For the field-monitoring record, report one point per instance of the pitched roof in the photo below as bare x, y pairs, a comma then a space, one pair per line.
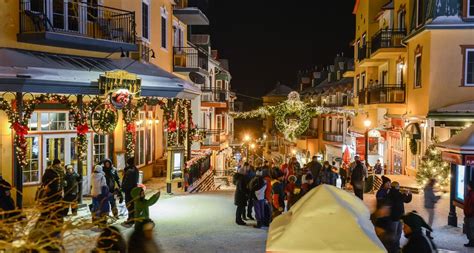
280, 90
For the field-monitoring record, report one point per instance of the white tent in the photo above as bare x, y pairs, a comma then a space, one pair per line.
326, 219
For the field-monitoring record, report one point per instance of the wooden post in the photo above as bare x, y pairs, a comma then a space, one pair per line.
17, 167
80, 106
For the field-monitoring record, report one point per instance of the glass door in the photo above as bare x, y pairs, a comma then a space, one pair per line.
54, 148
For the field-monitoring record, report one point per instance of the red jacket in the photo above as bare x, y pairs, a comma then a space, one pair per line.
268, 190
469, 204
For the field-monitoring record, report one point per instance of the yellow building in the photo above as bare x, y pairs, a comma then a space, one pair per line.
412, 76
64, 47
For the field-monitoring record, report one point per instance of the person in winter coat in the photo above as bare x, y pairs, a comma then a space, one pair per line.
53, 185
251, 174
100, 193
314, 168
308, 185
258, 188
268, 198
130, 181
397, 201
417, 241
240, 197
358, 174
111, 240
7, 205
292, 191
278, 194
141, 240
113, 182
327, 175
430, 201
71, 191
343, 174
469, 214
378, 168
382, 193
142, 205
383, 227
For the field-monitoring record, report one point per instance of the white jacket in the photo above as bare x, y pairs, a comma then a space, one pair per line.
260, 194
97, 181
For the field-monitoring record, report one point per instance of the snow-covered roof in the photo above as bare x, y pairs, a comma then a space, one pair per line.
457, 108
462, 142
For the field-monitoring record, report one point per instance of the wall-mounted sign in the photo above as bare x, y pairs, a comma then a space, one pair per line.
451, 158
111, 81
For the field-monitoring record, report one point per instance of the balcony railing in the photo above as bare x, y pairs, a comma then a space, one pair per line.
213, 137
363, 52
215, 95
49, 21
190, 59
383, 94
333, 137
388, 38
311, 133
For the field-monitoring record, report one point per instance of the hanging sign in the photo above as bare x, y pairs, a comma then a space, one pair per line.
112, 81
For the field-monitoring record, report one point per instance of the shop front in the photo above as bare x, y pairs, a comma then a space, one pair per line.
82, 110
459, 152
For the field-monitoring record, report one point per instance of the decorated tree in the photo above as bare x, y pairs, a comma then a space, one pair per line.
433, 166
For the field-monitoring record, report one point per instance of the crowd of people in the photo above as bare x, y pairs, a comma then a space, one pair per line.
59, 193
270, 189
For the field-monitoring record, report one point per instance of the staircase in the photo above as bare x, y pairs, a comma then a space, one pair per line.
203, 184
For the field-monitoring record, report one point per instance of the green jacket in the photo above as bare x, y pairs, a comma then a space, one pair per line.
142, 205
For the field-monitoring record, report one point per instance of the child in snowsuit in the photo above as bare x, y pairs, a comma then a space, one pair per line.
142, 204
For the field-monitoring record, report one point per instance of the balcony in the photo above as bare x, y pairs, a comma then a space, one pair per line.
383, 94
190, 59
77, 25
215, 95
388, 39
363, 52
311, 133
213, 137
333, 137
189, 15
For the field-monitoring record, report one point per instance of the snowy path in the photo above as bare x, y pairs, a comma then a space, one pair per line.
204, 222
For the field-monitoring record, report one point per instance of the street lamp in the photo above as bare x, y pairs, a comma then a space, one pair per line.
247, 137
367, 124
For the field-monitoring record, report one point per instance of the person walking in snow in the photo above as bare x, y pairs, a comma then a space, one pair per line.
240, 197
278, 194
130, 181
142, 205
417, 241
397, 200
71, 191
258, 187
430, 201
100, 194
113, 182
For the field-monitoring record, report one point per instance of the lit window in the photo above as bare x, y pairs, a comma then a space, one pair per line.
469, 67
53, 121
140, 140
149, 137
100, 148
31, 172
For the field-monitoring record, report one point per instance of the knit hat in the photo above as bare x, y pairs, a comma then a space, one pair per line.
415, 222
385, 180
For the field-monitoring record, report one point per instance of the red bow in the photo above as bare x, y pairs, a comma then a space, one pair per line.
131, 128
20, 129
172, 126
82, 129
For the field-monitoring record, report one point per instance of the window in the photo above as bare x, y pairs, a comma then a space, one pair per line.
164, 28
400, 67
178, 35
140, 140
401, 20
419, 12
145, 20
149, 137
357, 84
418, 67
358, 47
52, 121
363, 80
219, 125
470, 8
99, 153
469, 67
31, 172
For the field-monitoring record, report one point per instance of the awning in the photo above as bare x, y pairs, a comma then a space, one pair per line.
454, 112
38, 72
462, 142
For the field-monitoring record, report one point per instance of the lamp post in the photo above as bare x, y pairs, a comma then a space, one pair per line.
247, 138
367, 124
252, 148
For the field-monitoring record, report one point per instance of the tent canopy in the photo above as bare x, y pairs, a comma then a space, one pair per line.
462, 142
326, 219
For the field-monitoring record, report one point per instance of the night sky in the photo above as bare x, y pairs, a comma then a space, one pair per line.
269, 41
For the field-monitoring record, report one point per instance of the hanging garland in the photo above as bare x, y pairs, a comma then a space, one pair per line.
19, 123
130, 115
292, 116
